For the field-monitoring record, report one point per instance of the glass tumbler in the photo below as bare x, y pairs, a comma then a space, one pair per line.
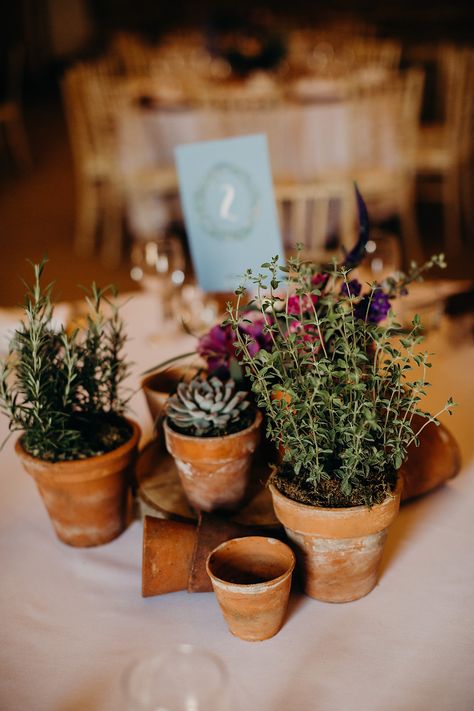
182, 678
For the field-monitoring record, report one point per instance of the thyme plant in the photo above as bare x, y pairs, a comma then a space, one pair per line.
61, 389
340, 382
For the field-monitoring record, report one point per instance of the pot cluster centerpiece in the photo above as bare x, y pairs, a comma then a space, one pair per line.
63, 391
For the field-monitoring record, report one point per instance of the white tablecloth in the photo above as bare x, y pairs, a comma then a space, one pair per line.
72, 618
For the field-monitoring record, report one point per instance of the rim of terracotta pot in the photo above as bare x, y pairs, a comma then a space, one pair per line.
251, 587
211, 440
96, 467
147, 380
348, 522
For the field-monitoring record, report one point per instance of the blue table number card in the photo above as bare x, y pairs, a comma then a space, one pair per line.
229, 208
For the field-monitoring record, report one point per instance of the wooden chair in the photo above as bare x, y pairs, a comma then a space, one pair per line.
445, 149
374, 53
11, 115
384, 128
89, 99
319, 215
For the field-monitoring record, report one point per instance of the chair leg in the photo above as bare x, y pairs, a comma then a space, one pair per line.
18, 142
112, 231
87, 217
467, 192
412, 247
452, 212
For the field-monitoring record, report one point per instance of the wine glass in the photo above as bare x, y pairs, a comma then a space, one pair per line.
383, 256
182, 678
158, 265
196, 310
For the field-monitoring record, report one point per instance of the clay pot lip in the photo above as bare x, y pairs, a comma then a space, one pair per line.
297, 505
251, 587
80, 469
235, 435
145, 382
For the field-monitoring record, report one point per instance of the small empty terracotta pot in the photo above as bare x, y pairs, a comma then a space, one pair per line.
215, 471
251, 578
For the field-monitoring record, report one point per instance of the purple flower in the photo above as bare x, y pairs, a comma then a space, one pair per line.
373, 308
254, 326
216, 347
351, 288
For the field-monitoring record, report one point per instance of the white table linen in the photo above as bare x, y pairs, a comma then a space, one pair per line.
73, 618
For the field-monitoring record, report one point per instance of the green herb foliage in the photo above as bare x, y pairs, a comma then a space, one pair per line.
63, 390
339, 391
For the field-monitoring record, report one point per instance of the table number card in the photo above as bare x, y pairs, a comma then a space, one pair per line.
229, 208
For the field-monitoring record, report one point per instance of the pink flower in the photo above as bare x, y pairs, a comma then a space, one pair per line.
298, 305
308, 336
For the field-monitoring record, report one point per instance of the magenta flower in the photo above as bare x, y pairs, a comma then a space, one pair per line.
301, 304
308, 335
217, 347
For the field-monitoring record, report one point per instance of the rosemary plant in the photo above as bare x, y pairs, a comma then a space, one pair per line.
340, 382
63, 390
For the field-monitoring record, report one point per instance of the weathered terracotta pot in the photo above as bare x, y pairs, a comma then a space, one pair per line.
251, 578
167, 554
436, 460
339, 550
215, 471
86, 498
157, 387
175, 552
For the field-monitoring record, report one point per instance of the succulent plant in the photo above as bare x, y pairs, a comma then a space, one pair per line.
207, 407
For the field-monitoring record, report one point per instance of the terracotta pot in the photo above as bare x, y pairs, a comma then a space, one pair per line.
338, 550
215, 471
251, 578
175, 552
86, 498
167, 554
157, 387
436, 460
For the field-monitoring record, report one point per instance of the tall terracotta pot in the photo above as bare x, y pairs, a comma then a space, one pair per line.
339, 550
86, 499
215, 471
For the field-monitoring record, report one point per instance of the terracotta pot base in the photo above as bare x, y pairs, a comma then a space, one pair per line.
251, 578
215, 471
338, 550
167, 553
86, 499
